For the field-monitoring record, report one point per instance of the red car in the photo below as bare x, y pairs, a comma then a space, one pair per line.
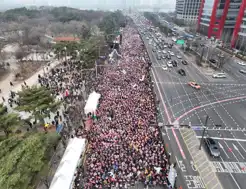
194, 85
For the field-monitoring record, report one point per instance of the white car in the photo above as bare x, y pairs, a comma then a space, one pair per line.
169, 64
219, 75
159, 51
241, 63
164, 52
179, 57
168, 51
165, 46
164, 67
171, 53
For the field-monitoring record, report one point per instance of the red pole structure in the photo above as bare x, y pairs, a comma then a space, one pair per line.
223, 18
238, 23
200, 15
213, 18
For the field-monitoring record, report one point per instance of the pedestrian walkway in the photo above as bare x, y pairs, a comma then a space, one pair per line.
202, 163
30, 81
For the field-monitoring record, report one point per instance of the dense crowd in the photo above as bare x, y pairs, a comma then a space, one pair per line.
125, 145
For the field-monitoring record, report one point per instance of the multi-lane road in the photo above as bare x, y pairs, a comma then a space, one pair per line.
222, 100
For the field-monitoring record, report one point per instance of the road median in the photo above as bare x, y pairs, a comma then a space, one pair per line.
202, 163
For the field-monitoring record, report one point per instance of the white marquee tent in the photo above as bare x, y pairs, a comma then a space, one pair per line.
63, 178
92, 102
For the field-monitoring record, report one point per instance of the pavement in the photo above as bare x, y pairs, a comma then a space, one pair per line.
223, 101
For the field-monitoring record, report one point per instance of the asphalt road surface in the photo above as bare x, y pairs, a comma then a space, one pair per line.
222, 100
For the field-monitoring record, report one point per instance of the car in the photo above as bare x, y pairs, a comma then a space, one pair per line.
242, 71
158, 57
212, 60
169, 64
212, 147
184, 62
165, 46
153, 50
182, 72
163, 57
175, 63
168, 56
219, 75
194, 85
171, 53
241, 63
159, 51
164, 67
164, 52
179, 57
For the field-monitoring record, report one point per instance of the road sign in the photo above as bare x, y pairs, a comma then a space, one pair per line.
196, 128
180, 42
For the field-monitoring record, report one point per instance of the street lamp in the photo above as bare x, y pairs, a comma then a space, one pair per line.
204, 130
221, 60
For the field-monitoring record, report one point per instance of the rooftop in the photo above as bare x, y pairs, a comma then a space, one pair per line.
71, 39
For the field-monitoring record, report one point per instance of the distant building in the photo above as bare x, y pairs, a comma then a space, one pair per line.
66, 39
187, 10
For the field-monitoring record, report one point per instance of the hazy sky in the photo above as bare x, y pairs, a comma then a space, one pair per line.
84, 3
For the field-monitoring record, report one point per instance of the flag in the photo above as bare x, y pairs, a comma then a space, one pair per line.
66, 92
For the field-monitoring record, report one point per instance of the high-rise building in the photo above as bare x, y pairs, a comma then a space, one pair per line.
239, 33
222, 19
187, 10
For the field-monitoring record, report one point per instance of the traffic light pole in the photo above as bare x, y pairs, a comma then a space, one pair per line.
203, 133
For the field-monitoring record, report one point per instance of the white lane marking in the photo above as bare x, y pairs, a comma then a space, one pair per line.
180, 164
219, 92
201, 110
235, 147
222, 147
229, 115
226, 139
178, 95
165, 107
234, 180
191, 104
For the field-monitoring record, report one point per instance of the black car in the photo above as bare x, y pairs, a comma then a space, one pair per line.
153, 50
174, 63
212, 147
184, 62
212, 60
182, 72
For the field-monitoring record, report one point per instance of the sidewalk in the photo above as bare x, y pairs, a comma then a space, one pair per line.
5, 84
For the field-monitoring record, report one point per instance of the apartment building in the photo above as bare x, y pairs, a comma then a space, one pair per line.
187, 10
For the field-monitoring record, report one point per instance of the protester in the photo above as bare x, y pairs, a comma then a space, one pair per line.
125, 145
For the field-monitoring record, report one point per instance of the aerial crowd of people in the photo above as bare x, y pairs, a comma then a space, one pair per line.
125, 145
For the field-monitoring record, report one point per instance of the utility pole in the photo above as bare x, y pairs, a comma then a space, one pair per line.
96, 67
202, 55
203, 133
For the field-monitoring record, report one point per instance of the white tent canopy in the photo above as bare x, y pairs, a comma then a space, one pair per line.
92, 102
64, 175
